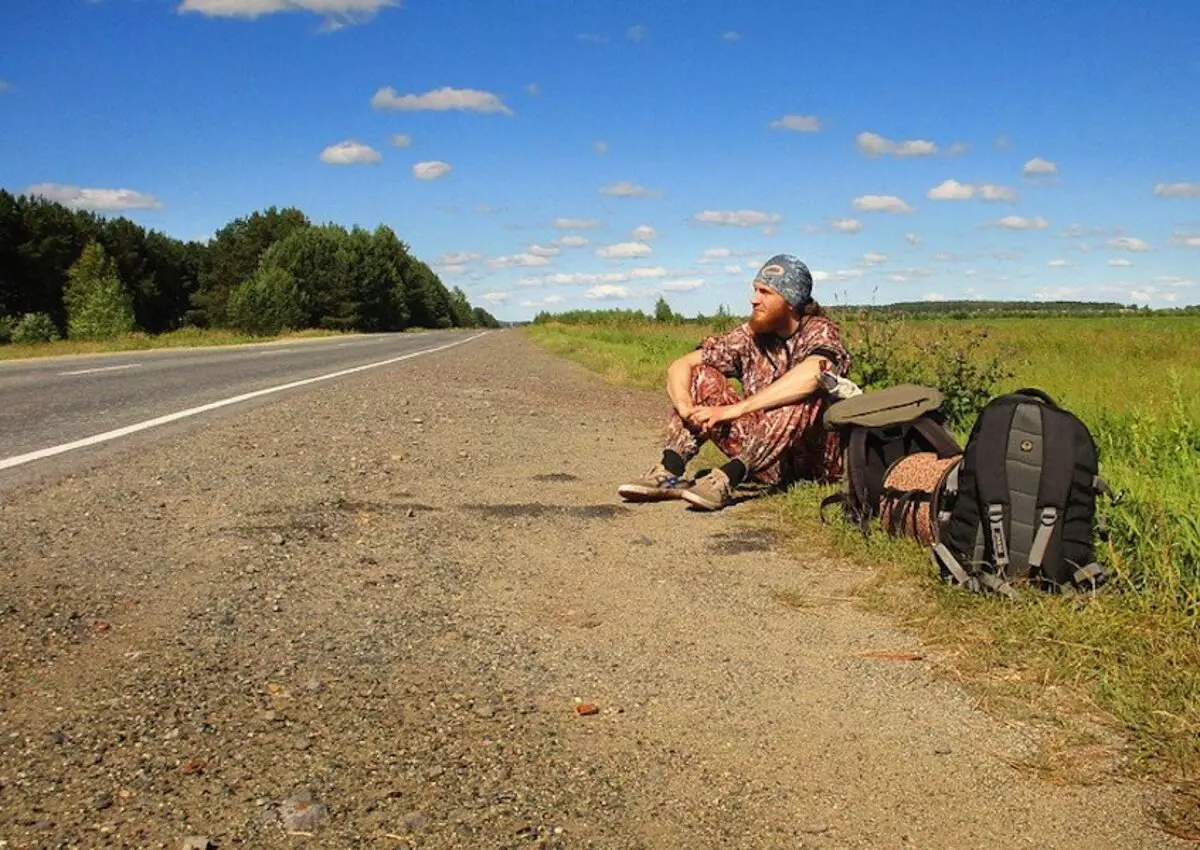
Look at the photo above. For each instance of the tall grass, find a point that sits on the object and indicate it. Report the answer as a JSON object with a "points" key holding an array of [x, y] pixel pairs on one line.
{"points": [[1132, 655], [184, 338]]}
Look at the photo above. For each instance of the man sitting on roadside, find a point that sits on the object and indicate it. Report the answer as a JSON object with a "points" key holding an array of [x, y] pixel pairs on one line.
{"points": [[773, 431]]}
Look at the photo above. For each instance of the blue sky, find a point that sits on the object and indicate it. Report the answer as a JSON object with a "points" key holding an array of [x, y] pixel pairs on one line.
{"points": [[545, 154]]}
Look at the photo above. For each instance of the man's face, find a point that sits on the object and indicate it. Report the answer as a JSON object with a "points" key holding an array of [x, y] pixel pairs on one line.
{"points": [[769, 310]]}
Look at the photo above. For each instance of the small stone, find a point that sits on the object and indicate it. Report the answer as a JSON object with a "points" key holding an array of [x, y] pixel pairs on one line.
{"points": [[415, 820], [417, 420], [303, 744], [276, 538], [301, 812], [942, 750], [586, 709], [434, 772], [462, 454], [196, 842], [59, 738], [411, 512], [485, 711], [102, 801], [816, 828], [314, 686]]}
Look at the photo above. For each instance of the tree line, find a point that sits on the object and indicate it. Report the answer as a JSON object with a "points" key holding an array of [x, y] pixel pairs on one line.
{"points": [[72, 273]]}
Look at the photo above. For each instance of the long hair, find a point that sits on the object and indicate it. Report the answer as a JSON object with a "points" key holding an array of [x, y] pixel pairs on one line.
{"points": [[811, 308]]}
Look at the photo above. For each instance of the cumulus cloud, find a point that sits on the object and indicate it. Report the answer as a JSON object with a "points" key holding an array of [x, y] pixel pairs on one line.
{"points": [[822, 276], [623, 250], [1060, 264], [572, 241], [1120, 262], [643, 233], [846, 225], [1128, 243], [576, 223], [496, 297], [1058, 293], [544, 250], [440, 100], [338, 13], [715, 254], [458, 258], [913, 238], [400, 140], [600, 147], [798, 123], [731, 36], [873, 258], [682, 284], [637, 32], [593, 278], [873, 144], [548, 301], [1016, 222], [734, 269], [1185, 240], [737, 218], [606, 291], [993, 192], [516, 261], [625, 189], [1038, 167], [958, 149], [951, 190], [1177, 190], [431, 170], [933, 296], [98, 200], [350, 152], [881, 203]]}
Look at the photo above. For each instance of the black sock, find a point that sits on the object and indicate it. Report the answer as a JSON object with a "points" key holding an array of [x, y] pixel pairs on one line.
{"points": [[736, 470], [673, 461]]}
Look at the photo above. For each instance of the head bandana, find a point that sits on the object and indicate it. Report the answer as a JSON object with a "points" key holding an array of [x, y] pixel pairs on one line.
{"points": [[789, 277]]}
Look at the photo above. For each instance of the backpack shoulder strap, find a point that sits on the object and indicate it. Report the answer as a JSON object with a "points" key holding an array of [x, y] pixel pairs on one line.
{"points": [[943, 441]]}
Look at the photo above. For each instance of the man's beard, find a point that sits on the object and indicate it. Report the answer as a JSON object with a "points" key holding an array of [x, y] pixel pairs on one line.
{"points": [[770, 320]]}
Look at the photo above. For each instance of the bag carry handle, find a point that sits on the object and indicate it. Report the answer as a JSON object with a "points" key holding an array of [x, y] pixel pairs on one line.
{"points": [[1036, 393]]}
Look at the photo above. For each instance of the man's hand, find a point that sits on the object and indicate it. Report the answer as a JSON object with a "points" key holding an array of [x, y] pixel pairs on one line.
{"points": [[708, 418]]}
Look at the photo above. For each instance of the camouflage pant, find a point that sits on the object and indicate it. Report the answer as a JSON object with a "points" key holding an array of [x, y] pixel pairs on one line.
{"points": [[778, 446]]}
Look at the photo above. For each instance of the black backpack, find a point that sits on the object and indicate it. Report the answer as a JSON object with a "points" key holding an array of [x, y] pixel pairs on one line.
{"points": [[877, 429], [1025, 508]]}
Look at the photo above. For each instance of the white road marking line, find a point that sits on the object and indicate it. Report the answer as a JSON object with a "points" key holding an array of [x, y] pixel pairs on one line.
{"points": [[40, 454], [102, 369]]}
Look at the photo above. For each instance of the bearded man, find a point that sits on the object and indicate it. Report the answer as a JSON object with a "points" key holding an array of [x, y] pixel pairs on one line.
{"points": [[772, 431]]}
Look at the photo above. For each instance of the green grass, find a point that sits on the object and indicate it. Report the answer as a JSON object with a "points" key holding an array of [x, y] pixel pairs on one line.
{"points": [[186, 338], [1130, 658]]}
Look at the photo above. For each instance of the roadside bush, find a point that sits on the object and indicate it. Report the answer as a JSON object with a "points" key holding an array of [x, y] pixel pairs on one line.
{"points": [[6, 329], [34, 327], [268, 303], [98, 304]]}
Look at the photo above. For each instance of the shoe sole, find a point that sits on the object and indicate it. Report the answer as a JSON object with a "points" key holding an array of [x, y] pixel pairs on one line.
{"points": [[637, 493], [702, 503]]}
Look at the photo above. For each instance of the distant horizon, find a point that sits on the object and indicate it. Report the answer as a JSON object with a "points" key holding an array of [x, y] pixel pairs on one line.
{"points": [[542, 157]]}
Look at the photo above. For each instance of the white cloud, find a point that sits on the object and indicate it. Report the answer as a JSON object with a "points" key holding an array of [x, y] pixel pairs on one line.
{"points": [[600, 147], [496, 297], [545, 302], [993, 192], [606, 291], [846, 225], [1120, 263], [738, 218], [1058, 293], [821, 276], [933, 296], [873, 258], [452, 270], [1129, 243], [431, 170], [1060, 264], [400, 140], [897, 278], [1185, 240], [734, 269], [440, 100], [544, 250], [1177, 190], [533, 89], [873, 144], [1039, 167], [623, 250], [642, 272], [798, 123], [572, 241], [682, 284], [715, 254], [458, 258], [643, 233], [945, 257], [1016, 222], [575, 223], [595, 279], [636, 32], [951, 190], [516, 260], [338, 12], [731, 35], [350, 152], [913, 238], [1075, 231], [625, 189], [958, 149], [1140, 295], [95, 199], [881, 203]]}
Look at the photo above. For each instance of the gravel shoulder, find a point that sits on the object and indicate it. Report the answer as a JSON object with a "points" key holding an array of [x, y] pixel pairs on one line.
{"points": [[390, 595]]}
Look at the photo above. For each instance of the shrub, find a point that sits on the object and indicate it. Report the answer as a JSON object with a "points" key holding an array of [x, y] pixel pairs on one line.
{"points": [[6, 329], [268, 303], [98, 304], [34, 327]]}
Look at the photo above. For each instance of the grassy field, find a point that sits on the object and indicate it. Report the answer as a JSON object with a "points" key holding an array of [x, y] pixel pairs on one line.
{"points": [[186, 338], [1130, 658]]}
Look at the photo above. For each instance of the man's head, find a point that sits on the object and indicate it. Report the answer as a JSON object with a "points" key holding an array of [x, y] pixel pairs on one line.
{"points": [[782, 289]]}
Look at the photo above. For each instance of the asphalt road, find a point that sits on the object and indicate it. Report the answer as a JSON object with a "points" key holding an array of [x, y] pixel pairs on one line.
{"points": [[47, 405]]}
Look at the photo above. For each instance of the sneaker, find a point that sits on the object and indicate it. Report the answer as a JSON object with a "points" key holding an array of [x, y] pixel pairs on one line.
{"points": [[658, 484], [711, 493]]}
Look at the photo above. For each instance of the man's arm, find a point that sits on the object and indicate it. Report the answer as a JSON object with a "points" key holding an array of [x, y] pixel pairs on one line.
{"points": [[797, 384], [679, 380]]}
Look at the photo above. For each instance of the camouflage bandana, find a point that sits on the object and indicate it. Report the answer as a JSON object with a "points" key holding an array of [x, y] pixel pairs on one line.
{"points": [[788, 276]]}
